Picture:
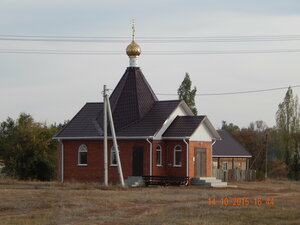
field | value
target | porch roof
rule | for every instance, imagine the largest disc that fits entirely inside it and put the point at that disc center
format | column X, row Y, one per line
column 183, row 126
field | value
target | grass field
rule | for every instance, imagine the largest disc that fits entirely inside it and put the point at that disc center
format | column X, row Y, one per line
column 73, row 203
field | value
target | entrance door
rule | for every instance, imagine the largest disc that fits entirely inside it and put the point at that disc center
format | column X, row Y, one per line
column 200, row 164
column 137, row 161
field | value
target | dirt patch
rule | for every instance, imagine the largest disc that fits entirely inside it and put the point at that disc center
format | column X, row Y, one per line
column 74, row 203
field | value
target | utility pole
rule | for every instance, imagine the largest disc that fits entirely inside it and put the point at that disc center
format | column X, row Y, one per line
column 105, row 137
column 266, row 146
column 112, row 128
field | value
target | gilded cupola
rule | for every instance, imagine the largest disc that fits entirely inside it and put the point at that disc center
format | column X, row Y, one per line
column 133, row 50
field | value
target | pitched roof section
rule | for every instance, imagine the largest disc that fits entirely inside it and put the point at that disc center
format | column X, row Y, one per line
column 183, row 126
column 152, row 121
column 228, row 146
column 132, row 98
column 84, row 123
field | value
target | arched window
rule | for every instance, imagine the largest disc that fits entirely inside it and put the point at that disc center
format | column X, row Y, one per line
column 158, row 155
column 177, row 155
column 113, row 157
column 82, row 155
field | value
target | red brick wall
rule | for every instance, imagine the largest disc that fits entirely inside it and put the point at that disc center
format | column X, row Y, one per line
column 167, row 168
column 94, row 170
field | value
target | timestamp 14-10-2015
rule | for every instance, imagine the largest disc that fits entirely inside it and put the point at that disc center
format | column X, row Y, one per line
column 237, row 201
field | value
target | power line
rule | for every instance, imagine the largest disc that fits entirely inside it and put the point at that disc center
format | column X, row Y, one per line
column 99, row 52
column 170, row 39
column 239, row 92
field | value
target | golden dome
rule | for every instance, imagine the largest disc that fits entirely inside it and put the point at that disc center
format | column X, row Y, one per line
column 133, row 49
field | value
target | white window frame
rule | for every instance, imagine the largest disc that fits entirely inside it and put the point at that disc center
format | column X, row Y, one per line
column 82, row 148
column 112, row 151
column 174, row 157
column 159, row 149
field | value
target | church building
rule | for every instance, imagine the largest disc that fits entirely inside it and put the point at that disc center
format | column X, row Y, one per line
column 155, row 138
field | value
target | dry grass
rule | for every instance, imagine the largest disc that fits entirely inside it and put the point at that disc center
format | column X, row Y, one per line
column 75, row 203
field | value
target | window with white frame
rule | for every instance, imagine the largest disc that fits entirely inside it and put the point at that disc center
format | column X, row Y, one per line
column 82, row 155
column 158, row 155
column 113, row 156
column 177, row 155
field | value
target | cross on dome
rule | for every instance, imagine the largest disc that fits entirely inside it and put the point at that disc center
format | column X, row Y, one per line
column 133, row 50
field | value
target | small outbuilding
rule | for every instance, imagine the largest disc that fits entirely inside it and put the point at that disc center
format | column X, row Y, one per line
column 228, row 153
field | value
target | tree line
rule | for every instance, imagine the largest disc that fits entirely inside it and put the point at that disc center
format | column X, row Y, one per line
column 275, row 150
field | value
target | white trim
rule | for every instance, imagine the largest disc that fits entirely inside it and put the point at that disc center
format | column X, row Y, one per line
column 214, row 141
column 212, row 129
column 101, row 137
column 174, row 138
column 187, row 157
column 150, row 166
column 174, row 156
column 111, row 154
column 230, row 156
column 133, row 61
column 82, row 148
column 180, row 110
column 160, row 155
column 207, row 131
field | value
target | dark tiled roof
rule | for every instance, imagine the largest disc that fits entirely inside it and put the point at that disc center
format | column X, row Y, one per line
column 228, row 146
column 183, row 126
column 132, row 98
column 152, row 121
column 84, row 122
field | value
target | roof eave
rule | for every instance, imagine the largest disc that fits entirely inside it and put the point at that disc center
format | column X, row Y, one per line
column 175, row 138
column 231, row 156
column 101, row 137
column 211, row 128
column 167, row 119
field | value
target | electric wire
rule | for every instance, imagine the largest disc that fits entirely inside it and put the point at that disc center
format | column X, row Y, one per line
column 158, row 39
column 238, row 92
column 187, row 52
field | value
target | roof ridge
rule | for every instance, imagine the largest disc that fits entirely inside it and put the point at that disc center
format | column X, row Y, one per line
column 179, row 100
column 94, row 103
column 137, row 121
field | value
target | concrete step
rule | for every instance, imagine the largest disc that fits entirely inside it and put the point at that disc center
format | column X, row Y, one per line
column 135, row 181
column 208, row 182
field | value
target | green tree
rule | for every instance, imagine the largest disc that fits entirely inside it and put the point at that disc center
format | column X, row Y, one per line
column 28, row 150
column 288, row 124
column 230, row 128
column 184, row 92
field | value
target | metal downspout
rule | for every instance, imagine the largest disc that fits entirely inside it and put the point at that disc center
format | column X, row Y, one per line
column 187, row 157
column 62, row 161
column 150, row 166
column 212, row 172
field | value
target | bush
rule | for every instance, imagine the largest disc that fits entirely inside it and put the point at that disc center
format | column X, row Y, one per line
column 27, row 149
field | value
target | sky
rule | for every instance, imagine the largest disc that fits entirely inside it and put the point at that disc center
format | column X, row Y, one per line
column 54, row 87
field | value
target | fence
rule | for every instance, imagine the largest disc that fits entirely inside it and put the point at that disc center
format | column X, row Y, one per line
column 235, row 175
